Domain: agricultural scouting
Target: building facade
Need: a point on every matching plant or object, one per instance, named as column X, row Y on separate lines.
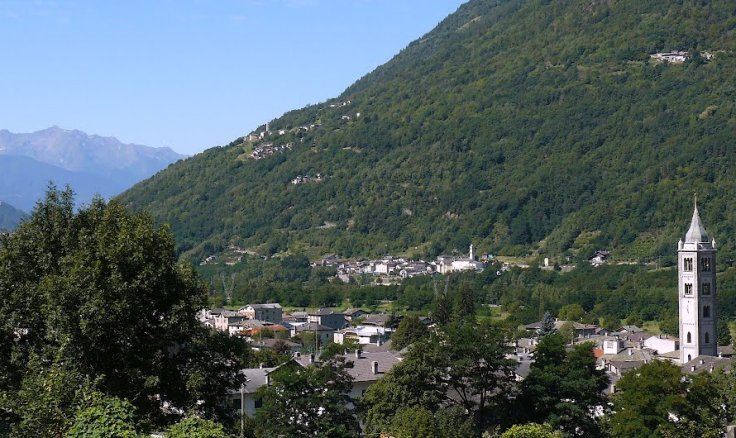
column 696, row 266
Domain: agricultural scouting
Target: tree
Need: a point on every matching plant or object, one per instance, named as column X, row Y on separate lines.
column 724, row 332
column 196, row 427
column 465, row 304
column 548, row 324
column 418, row 422
column 564, row 389
column 305, row 402
column 531, row 430
column 461, row 365
column 97, row 296
column 442, row 306
column 571, row 312
column 106, row 417
column 410, row 330
column 645, row 399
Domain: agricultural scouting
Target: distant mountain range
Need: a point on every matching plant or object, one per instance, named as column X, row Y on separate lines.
column 90, row 164
column 9, row 216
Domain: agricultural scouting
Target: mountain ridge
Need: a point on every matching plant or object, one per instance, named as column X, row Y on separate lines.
column 90, row 164
column 520, row 126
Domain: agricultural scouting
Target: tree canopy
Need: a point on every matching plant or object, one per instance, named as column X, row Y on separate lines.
column 95, row 300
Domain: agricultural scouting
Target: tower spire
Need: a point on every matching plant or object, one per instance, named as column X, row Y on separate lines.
column 697, row 232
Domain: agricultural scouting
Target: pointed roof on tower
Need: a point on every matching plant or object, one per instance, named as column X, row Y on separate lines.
column 696, row 233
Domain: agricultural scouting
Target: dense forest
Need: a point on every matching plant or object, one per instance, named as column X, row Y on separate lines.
column 522, row 126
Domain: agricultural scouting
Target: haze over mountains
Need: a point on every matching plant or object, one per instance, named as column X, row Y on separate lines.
column 91, row 164
column 523, row 125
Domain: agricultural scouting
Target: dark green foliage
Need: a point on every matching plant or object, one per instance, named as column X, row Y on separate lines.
column 95, row 300
column 106, row 417
column 564, row 388
column 645, row 399
column 418, row 422
column 307, row 402
column 196, row 427
column 410, row 330
column 510, row 124
column 459, row 365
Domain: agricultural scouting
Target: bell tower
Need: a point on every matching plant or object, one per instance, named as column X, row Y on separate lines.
column 696, row 267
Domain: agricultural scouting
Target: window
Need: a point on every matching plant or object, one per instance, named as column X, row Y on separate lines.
column 689, row 338
column 258, row 402
column 707, row 338
column 236, row 404
column 706, row 288
column 705, row 264
column 688, row 288
column 706, row 311
column 687, row 264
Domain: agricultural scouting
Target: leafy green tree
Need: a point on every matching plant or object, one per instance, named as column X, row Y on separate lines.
column 418, row 422
column 97, row 296
column 410, row 330
column 724, row 332
column 196, row 427
column 441, row 308
column 106, row 417
column 563, row 388
column 571, row 312
column 464, row 309
column 462, row 365
column 306, row 402
column 645, row 399
column 531, row 430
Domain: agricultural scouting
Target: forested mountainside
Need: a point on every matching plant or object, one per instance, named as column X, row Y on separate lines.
column 518, row 125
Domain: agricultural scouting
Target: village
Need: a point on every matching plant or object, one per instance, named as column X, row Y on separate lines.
column 366, row 338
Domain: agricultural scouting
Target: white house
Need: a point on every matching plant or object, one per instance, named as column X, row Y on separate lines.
column 662, row 344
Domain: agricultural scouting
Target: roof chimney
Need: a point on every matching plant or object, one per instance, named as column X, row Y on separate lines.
column 268, row 380
column 357, row 353
column 631, row 351
column 374, row 367
column 311, row 358
column 701, row 361
column 692, row 368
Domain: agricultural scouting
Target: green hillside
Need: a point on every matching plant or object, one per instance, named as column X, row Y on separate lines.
column 521, row 126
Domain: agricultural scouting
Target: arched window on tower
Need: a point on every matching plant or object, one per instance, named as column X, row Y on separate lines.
column 706, row 311
column 707, row 338
column 705, row 264
column 689, row 358
column 706, row 288
column 689, row 338
column 687, row 264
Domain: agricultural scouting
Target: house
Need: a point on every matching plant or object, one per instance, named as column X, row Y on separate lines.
column 246, row 399
column 362, row 335
column 381, row 320
column 705, row 363
column 263, row 312
column 581, row 330
column 599, row 258
column 225, row 319
column 671, row 57
column 662, row 344
column 364, row 367
column 280, row 345
column 296, row 317
column 324, row 333
column 367, row 368
column 353, row 314
column 328, row 317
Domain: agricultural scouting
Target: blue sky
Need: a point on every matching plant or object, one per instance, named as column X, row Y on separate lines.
column 191, row 74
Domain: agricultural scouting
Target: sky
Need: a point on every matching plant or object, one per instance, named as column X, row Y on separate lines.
column 191, row 74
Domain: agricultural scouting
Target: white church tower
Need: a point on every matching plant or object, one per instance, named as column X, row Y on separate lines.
column 696, row 266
